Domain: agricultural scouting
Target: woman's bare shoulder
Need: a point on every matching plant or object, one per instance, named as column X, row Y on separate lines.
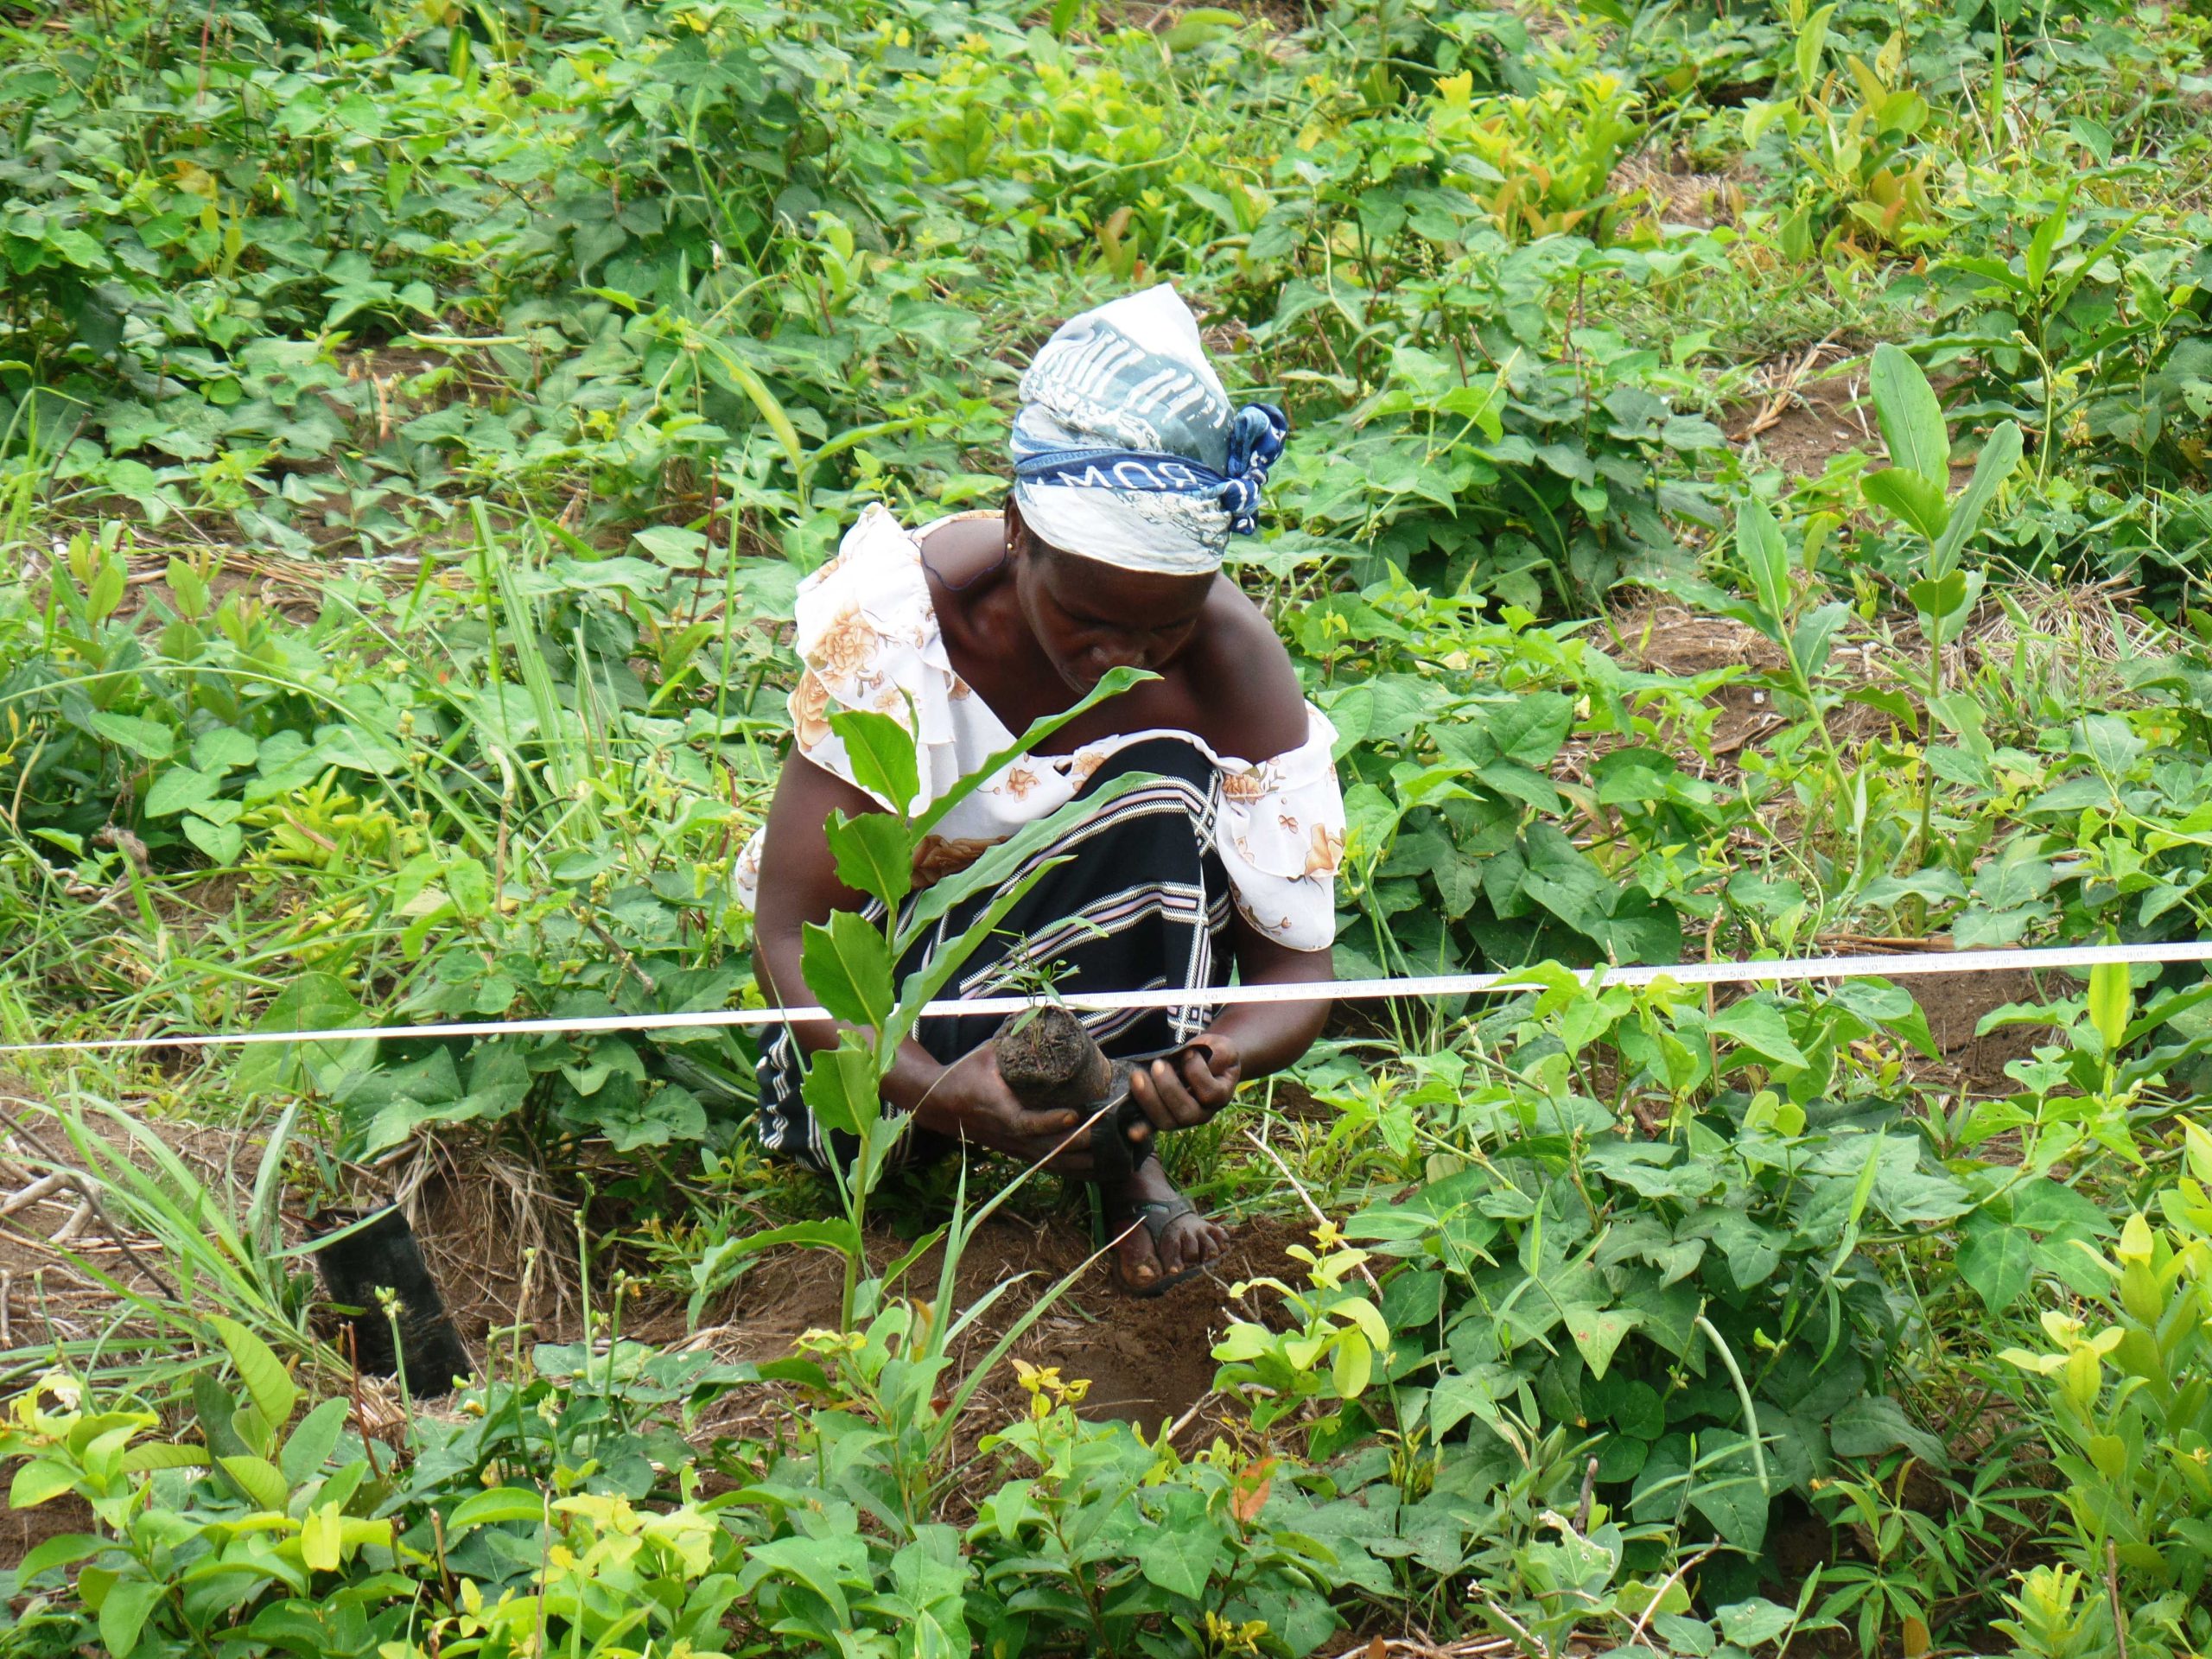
column 1241, row 676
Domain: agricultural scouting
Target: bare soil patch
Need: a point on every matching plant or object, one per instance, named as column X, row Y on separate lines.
column 23, row 1531
column 56, row 1243
column 1810, row 415
column 1955, row 1004
column 1663, row 638
column 1148, row 1360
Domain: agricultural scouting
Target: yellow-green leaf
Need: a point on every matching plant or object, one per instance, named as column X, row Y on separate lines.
column 260, row 1480
column 267, row 1382
column 1353, row 1363
column 320, row 1537
column 37, row 1481
column 163, row 1454
column 2110, row 1003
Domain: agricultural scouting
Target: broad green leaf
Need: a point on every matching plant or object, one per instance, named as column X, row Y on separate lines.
column 827, row 1566
column 1811, row 40
column 500, row 1505
column 162, row 1454
column 1597, row 1332
column 217, row 1412
column 123, row 1611
column 176, row 789
column 1201, row 25
column 875, row 853
column 1911, row 419
column 147, row 738
column 224, row 749
column 882, row 755
column 1995, row 464
column 1874, row 1424
column 1810, row 643
column 1997, row 1259
column 469, row 884
column 2111, row 744
column 2048, row 1206
column 1906, row 495
column 313, row 1002
column 1641, row 1597
column 847, row 969
column 1759, row 1027
column 310, row 1445
column 1190, row 1552
column 1724, row 1488
column 222, row 843
column 1530, row 729
column 63, row 1549
column 1939, row 598
column 268, row 1384
column 1753, row 1623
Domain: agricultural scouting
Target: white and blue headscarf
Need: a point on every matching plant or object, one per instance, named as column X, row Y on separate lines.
column 1126, row 450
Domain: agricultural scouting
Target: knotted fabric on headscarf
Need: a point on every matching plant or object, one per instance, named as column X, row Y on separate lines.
column 1125, row 448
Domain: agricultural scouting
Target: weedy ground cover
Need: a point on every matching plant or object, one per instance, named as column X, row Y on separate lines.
column 1747, row 496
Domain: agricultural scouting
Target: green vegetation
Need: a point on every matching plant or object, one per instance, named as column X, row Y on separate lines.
column 1748, row 496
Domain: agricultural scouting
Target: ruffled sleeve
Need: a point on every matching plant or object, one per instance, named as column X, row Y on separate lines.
column 867, row 638
column 1281, row 838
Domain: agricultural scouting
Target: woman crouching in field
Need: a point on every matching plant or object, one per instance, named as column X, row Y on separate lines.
column 1131, row 471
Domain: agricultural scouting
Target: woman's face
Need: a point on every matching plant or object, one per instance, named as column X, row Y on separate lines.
column 1091, row 618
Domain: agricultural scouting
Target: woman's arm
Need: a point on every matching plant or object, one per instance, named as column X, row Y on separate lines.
column 1251, row 705
column 1248, row 1039
column 967, row 1100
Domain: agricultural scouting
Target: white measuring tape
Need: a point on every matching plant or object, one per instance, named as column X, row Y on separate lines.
column 1333, row 990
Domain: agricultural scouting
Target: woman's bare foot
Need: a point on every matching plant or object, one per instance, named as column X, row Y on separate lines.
column 1157, row 1236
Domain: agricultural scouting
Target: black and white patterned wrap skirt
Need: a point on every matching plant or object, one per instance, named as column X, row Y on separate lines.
column 1142, row 903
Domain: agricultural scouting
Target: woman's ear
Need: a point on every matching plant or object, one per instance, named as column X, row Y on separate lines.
column 1017, row 533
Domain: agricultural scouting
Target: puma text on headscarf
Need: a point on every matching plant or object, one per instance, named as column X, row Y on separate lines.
column 1126, row 450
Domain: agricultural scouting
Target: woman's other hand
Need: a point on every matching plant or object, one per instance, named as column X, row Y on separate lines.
column 1187, row 1088
column 972, row 1101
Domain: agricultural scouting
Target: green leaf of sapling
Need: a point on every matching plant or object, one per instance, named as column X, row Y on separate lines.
column 848, row 968
column 842, row 1085
column 1910, row 417
column 1998, row 458
column 875, row 853
column 882, row 755
column 1908, row 497
column 1765, row 558
column 268, row 1384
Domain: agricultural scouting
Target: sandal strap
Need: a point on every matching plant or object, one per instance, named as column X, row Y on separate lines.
column 1160, row 1214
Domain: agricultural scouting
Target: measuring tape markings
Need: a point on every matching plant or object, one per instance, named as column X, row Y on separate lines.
column 1338, row 990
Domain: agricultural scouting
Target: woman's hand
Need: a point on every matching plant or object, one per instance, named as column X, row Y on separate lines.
column 970, row 1101
column 1188, row 1088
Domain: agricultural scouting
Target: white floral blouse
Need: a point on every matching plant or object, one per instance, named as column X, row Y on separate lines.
column 869, row 636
